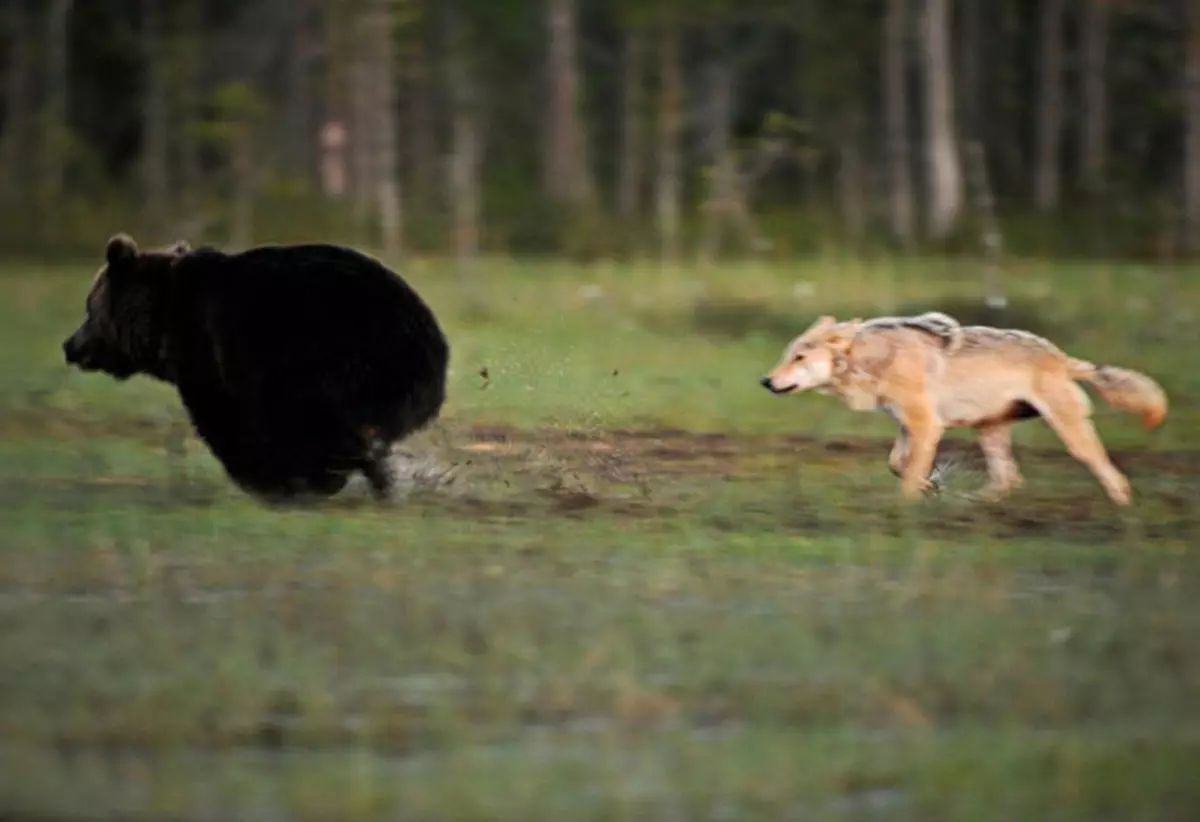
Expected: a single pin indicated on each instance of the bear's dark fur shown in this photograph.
(297, 364)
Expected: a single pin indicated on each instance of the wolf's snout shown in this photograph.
(769, 384)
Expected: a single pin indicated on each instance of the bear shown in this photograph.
(297, 364)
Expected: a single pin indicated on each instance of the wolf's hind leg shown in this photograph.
(1067, 410)
(995, 441)
(899, 454)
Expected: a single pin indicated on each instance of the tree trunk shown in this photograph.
(567, 176)
(1047, 182)
(944, 162)
(667, 194)
(190, 46)
(1093, 155)
(242, 229)
(378, 35)
(54, 140)
(633, 91)
(362, 123)
(422, 136)
(155, 117)
(1191, 176)
(722, 171)
(14, 143)
(992, 239)
(851, 174)
(465, 147)
(895, 90)
(971, 59)
(299, 134)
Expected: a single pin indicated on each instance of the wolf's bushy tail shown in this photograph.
(1125, 390)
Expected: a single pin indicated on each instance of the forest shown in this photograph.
(680, 129)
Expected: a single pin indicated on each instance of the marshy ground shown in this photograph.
(624, 581)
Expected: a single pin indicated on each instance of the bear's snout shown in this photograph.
(71, 350)
(80, 352)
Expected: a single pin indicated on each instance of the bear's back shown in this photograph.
(320, 316)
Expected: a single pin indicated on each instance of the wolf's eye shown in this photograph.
(798, 358)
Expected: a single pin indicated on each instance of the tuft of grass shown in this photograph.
(624, 581)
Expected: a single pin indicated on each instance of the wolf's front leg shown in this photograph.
(925, 432)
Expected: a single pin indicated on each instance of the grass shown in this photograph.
(651, 591)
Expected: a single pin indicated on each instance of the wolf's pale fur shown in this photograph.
(930, 374)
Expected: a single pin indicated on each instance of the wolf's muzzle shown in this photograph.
(766, 383)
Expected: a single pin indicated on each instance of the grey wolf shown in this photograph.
(931, 374)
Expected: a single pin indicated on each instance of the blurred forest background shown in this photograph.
(688, 129)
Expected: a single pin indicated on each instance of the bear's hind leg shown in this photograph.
(377, 466)
(381, 477)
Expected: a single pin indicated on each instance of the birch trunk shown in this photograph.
(384, 166)
(155, 115)
(54, 139)
(896, 104)
(1047, 180)
(944, 162)
(1191, 175)
(667, 195)
(14, 143)
(465, 148)
(632, 127)
(567, 176)
(1093, 155)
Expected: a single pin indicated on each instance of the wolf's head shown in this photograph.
(809, 360)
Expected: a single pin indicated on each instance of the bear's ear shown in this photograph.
(180, 247)
(120, 248)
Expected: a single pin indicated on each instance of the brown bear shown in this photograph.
(297, 364)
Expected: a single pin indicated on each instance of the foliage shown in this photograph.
(809, 61)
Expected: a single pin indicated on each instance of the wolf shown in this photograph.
(930, 374)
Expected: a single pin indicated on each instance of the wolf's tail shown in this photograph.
(1125, 390)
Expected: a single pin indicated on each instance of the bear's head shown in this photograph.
(124, 332)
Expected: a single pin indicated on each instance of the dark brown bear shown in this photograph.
(298, 364)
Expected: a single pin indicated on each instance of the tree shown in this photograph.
(187, 43)
(567, 176)
(155, 120)
(1050, 115)
(376, 36)
(670, 125)
(18, 93)
(56, 129)
(298, 132)
(1093, 139)
(632, 149)
(895, 93)
(721, 170)
(1191, 161)
(465, 153)
(941, 142)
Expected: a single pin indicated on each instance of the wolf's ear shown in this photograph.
(180, 247)
(818, 328)
(120, 247)
(840, 338)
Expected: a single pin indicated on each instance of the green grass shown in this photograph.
(651, 591)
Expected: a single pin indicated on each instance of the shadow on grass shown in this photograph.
(66, 495)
